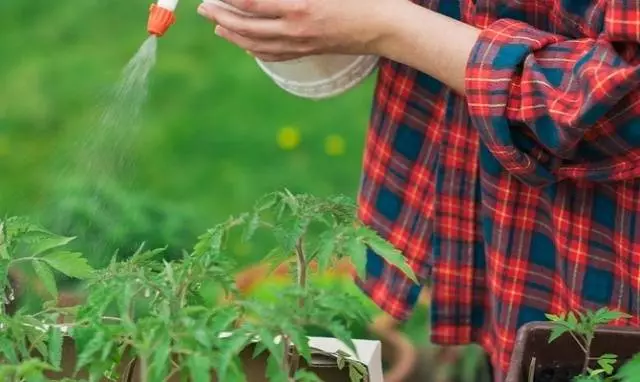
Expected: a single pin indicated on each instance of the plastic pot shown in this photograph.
(551, 362)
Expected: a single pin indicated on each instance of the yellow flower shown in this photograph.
(288, 138)
(334, 145)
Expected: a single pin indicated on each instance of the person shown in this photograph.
(502, 156)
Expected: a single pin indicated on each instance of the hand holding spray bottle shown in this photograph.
(314, 77)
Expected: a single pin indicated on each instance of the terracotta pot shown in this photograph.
(534, 353)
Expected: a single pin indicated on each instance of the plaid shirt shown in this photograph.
(524, 197)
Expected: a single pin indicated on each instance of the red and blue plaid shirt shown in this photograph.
(524, 197)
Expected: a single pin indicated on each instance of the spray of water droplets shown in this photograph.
(103, 150)
(105, 147)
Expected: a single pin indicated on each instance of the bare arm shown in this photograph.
(430, 42)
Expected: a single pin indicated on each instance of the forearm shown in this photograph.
(429, 42)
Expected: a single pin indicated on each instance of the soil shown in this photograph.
(557, 373)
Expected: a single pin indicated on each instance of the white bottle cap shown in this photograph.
(168, 4)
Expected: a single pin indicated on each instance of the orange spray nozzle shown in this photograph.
(160, 20)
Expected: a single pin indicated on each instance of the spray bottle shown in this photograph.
(314, 77)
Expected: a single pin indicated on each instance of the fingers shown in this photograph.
(265, 49)
(245, 25)
(276, 8)
(260, 7)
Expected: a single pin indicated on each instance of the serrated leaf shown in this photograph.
(289, 234)
(222, 320)
(46, 277)
(274, 372)
(48, 243)
(358, 256)
(55, 346)
(258, 349)
(354, 373)
(71, 264)
(341, 333)
(608, 316)
(606, 364)
(572, 321)
(553, 317)
(325, 251)
(556, 332)
(301, 342)
(229, 349)
(199, 367)
(159, 365)
(7, 350)
(389, 253)
(93, 346)
(252, 226)
(267, 339)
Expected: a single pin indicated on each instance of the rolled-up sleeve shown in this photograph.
(550, 108)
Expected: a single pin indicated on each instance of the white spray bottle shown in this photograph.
(314, 77)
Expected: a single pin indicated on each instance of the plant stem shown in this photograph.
(579, 342)
(143, 369)
(302, 283)
(302, 266)
(587, 349)
(286, 366)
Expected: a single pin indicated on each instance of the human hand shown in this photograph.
(279, 30)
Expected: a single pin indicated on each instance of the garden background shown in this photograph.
(215, 133)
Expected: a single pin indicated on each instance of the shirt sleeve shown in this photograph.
(550, 108)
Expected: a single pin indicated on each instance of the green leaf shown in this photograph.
(94, 345)
(630, 371)
(341, 361)
(556, 332)
(199, 367)
(301, 341)
(7, 350)
(341, 333)
(572, 321)
(71, 264)
(251, 227)
(48, 243)
(46, 276)
(354, 373)
(160, 360)
(358, 255)
(274, 372)
(267, 339)
(4, 271)
(325, 251)
(230, 348)
(306, 376)
(222, 320)
(607, 364)
(389, 253)
(258, 349)
(607, 316)
(55, 346)
(553, 317)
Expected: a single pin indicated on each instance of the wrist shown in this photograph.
(390, 26)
